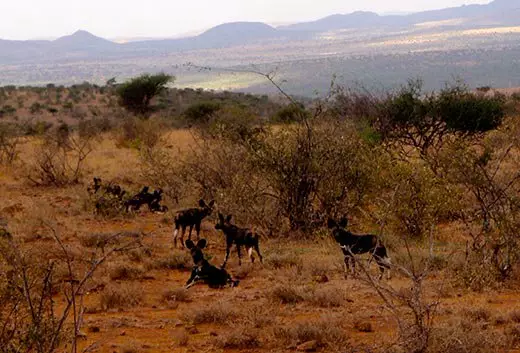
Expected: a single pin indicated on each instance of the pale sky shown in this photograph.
(28, 19)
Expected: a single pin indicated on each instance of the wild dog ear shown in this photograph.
(189, 244)
(201, 244)
(331, 223)
(228, 219)
(202, 203)
(343, 222)
(211, 203)
(220, 217)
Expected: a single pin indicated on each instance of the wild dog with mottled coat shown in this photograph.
(355, 244)
(238, 236)
(191, 217)
(203, 271)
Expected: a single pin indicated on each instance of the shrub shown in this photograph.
(125, 272)
(179, 260)
(240, 338)
(201, 113)
(216, 313)
(287, 294)
(176, 295)
(326, 332)
(121, 296)
(136, 94)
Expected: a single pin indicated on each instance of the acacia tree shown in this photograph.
(136, 94)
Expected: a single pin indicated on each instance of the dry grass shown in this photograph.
(217, 313)
(178, 260)
(240, 338)
(277, 260)
(330, 297)
(121, 296)
(176, 295)
(326, 332)
(287, 294)
(477, 314)
(464, 336)
(125, 272)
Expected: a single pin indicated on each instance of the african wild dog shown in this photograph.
(111, 189)
(238, 236)
(355, 244)
(146, 198)
(203, 271)
(191, 217)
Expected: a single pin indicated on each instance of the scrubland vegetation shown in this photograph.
(434, 174)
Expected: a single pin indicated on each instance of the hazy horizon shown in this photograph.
(163, 18)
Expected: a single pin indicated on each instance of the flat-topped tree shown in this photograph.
(136, 94)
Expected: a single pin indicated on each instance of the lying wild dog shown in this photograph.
(191, 217)
(355, 244)
(203, 271)
(238, 236)
(111, 189)
(146, 198)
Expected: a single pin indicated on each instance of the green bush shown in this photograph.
(136, 94)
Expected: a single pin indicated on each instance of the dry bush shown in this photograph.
(181, 339)
(278, 260)
(176, 295)
(477, 314)
(178, 260)
(137, 133)
(125, 272)
(240, 338)
(287, 294)
(259, 316)
(465, 337)
(121, 296)
(327, 332)
(60, 159)
(9, 143)
(139, 255)
(326, 297)
(515, 316)
(216, 313)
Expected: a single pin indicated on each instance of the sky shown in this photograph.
(30, 19)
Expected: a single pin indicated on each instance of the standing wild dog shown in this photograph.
(355, 244)
(192, 217)
(238, 236)
(203, 271)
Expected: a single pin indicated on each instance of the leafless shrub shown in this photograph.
(29, 318)
(10, 140)
(59, 160)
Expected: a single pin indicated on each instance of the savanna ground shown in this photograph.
(297, 300)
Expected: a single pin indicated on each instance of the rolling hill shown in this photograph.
(466, 36)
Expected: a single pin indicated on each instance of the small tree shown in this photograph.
(136, 94)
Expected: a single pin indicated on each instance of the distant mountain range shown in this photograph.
(103, 57)
(497, 13)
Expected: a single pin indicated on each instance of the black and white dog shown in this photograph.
(355, 244)
(203, 271)
(238, 236)
(191, 217)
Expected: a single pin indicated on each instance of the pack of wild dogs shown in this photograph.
(217, 277)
